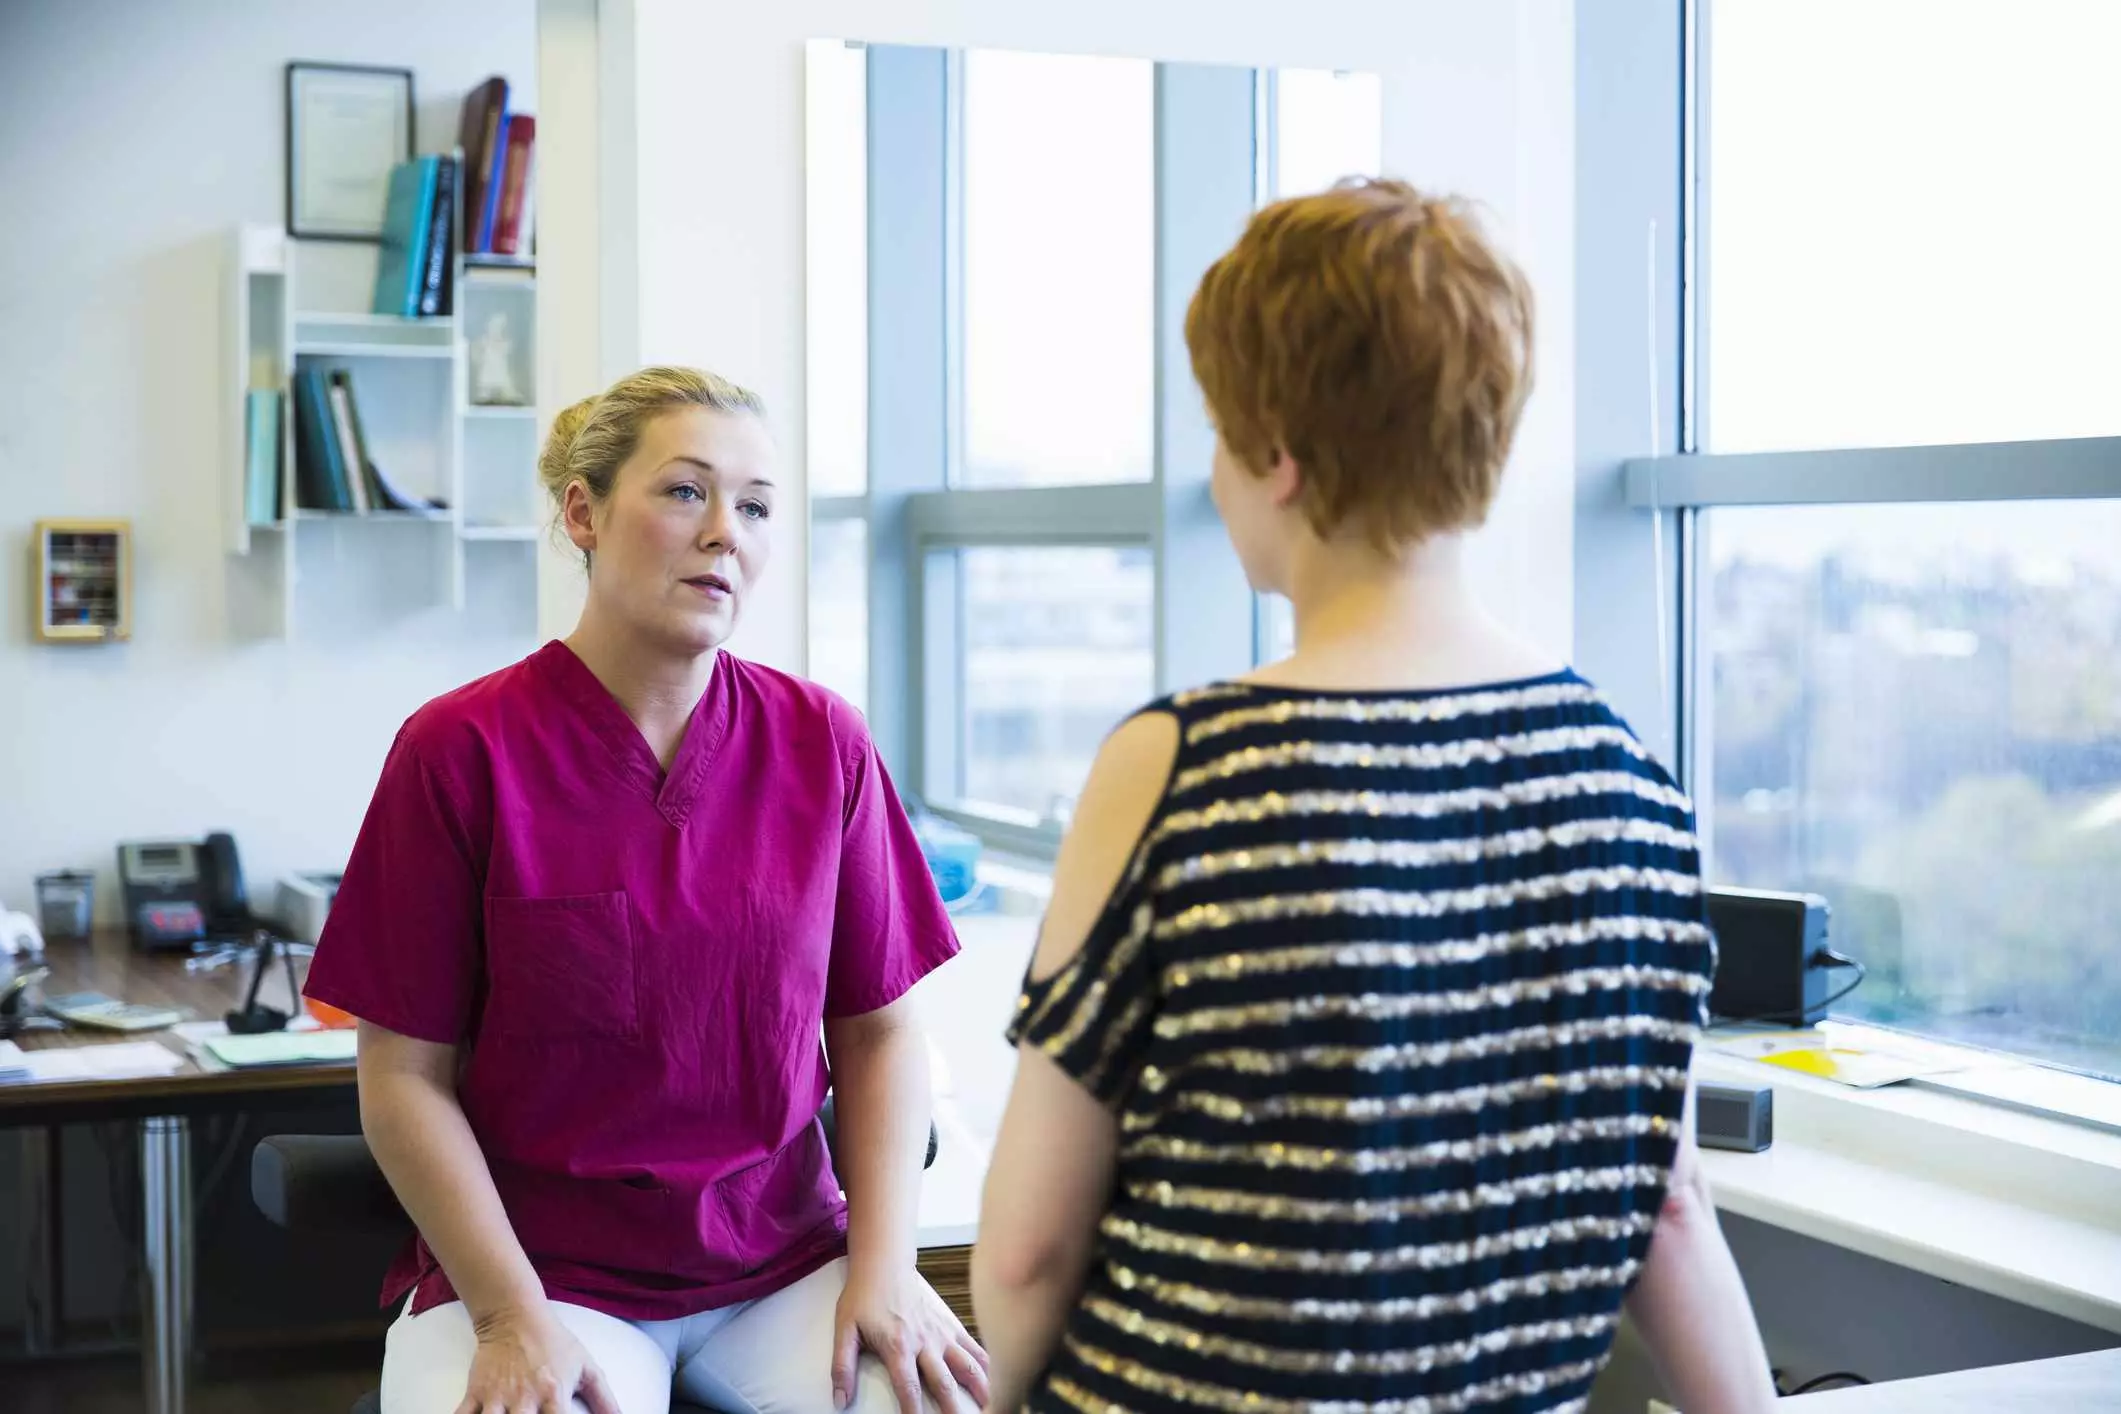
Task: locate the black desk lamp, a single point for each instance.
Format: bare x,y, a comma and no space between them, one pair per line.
253,1018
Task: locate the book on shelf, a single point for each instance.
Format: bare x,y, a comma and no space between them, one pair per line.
378,490
438,266
483,133
349,449
510,228
401,268
261,465
320,476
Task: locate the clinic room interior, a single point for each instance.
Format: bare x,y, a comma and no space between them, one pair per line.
1113,707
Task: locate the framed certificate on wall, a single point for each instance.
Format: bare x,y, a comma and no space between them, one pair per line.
347,126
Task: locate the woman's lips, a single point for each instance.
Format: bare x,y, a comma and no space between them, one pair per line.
712,585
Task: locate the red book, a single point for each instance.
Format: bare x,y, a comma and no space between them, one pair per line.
515,185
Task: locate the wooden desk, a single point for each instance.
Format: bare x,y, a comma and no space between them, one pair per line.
162,1106
2074,1384
107,963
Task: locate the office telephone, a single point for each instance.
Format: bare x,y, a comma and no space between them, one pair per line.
180,893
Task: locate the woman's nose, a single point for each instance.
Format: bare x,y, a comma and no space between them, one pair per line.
718,530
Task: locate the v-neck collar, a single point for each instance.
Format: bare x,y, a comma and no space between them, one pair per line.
672,792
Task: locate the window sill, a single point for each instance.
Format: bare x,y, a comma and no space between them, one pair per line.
2020,1205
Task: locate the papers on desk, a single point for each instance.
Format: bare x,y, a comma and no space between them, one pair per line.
1831,1052
121,1060
283,1048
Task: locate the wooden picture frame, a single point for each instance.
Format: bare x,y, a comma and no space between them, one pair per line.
347,125
84,588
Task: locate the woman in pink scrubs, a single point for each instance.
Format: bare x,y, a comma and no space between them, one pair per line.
601,905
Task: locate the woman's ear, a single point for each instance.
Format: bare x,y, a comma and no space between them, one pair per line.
1285,479
578,515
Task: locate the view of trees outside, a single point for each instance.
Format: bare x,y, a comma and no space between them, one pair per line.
1917,713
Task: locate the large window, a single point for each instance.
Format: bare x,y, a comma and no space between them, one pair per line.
1060,269
1012,541
1913,700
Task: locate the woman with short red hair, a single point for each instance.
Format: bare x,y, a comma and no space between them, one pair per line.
1355,1053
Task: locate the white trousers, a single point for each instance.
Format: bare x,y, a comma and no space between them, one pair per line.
771,1356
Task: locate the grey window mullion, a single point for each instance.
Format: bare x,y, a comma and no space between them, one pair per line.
1207,167
824,508
1037,515
2075,468
909,364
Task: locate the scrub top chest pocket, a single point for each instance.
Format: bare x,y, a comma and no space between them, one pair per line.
561,969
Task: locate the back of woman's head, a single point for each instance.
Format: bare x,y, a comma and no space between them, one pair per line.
1375,336
591,439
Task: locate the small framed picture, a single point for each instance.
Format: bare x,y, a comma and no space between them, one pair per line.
347,126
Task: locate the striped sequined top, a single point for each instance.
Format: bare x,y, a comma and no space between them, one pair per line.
1394,1003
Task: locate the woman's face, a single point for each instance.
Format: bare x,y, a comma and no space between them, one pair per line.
684,535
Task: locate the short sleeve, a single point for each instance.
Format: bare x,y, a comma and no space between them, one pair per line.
889,926
402,944
1095,1017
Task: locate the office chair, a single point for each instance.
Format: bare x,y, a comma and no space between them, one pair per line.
331,1183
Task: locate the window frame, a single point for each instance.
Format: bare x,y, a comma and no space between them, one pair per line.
1670,494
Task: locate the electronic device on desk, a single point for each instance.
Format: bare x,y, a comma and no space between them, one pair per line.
305,901
181,893
1740,1117
1772,957
104,1013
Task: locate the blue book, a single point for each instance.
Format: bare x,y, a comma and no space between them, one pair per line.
496,169
401,269
261,476
320,469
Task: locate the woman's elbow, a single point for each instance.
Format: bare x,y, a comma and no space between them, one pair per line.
1007,1259
1688,1206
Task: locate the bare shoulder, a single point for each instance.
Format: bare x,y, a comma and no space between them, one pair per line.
1120,797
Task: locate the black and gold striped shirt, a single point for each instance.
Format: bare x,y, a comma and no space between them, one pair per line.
1394,1003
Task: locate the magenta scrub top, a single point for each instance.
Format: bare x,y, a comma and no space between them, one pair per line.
635,964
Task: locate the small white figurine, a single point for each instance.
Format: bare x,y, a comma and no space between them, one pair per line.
493,377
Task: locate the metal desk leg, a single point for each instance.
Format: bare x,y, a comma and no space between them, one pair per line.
165,1324
40,1238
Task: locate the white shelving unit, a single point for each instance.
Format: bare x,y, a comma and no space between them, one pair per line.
297,303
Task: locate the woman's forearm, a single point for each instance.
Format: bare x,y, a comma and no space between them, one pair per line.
1020,1322
880,1081
417,1131
1692,1310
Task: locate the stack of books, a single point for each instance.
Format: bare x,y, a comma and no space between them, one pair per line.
497,148
333,470
414,274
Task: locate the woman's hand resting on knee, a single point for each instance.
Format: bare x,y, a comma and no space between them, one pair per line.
528,1363
897,1317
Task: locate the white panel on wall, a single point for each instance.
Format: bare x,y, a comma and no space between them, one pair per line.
138,135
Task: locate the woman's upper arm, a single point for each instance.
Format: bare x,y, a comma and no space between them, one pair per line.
403,945
889,926
1126,785
386,1055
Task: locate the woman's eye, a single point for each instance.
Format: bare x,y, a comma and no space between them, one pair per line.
756,510
686,491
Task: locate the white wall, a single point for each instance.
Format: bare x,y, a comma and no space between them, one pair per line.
135,135
1478,99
